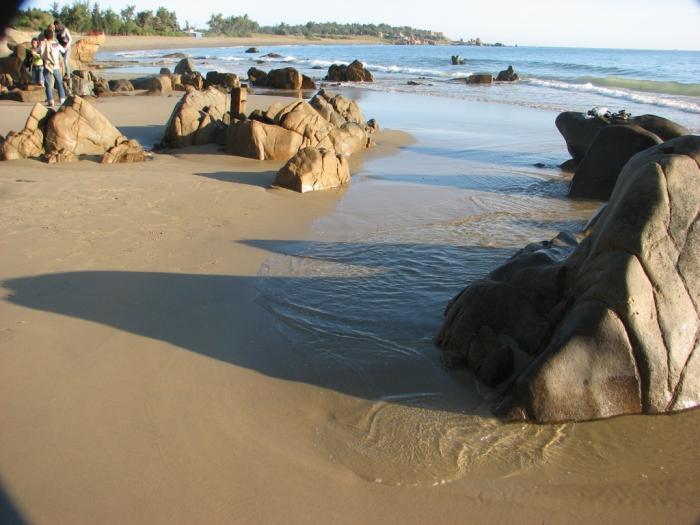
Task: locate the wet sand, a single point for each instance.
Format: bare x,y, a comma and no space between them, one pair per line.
143,379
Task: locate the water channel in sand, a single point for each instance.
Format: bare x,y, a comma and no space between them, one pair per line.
362,299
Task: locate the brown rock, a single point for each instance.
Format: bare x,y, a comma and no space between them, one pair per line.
83,51
480,78
30,93
195,118
313,169
127,151
184,66
507,75
158,83
285,78
353,72
79,128
226,81
257,140
60,156
257,77
30,141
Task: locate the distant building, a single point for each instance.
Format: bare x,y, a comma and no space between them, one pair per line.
196,34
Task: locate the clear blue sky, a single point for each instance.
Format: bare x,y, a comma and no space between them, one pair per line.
644,24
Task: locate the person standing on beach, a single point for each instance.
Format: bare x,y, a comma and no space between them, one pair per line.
34,63
51,55
64,38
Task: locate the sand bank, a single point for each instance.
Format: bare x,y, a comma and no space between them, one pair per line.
129,43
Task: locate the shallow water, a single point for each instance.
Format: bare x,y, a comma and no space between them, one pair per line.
362,299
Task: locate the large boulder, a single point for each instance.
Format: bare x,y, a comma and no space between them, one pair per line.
184,66
195,118
195,79
262,141
579,129
353,72
12,64
349,138
158,83
313,169
612,327
612,147
79,128
31,93
82,87
83,51
507,75
30,141
285,78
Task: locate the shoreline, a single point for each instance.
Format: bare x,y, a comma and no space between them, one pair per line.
136,43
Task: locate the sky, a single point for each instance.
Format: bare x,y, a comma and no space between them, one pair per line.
638,24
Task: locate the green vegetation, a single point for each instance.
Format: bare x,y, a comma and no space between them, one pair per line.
84,16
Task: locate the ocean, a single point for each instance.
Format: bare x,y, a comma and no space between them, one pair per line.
558,79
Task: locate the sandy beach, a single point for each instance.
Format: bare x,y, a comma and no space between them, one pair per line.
129,43
144,377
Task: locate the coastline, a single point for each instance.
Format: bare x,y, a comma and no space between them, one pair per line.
133,43
145,381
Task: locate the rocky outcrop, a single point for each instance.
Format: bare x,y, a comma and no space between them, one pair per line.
480,78
285,78
82,87
252,50
30,141
457,60
612,147
605,328
313,169
353,72
79,128
30,93
195,118
196,80
257,77
507,75
184,66
12,65
579,129
337,109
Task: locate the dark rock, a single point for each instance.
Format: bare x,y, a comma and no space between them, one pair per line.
579,129
195,79
273,55
457,60
175,55
507,75
307,82
165,71
121,85
610,150
480,78
353,72
257,77
184,66
252,50
608,327
285,78
223,80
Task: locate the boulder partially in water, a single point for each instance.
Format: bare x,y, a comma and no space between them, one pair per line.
507,75
608,327
612,147
355,71
579,129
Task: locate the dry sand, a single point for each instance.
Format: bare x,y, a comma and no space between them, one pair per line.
128,43
141,383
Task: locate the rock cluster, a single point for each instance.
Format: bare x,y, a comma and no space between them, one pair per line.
285,78
353,72
605,327
77,128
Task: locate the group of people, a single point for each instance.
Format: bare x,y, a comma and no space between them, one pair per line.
49,59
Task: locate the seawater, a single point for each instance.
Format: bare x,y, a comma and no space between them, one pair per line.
558,79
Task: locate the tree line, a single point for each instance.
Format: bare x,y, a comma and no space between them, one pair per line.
84,16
